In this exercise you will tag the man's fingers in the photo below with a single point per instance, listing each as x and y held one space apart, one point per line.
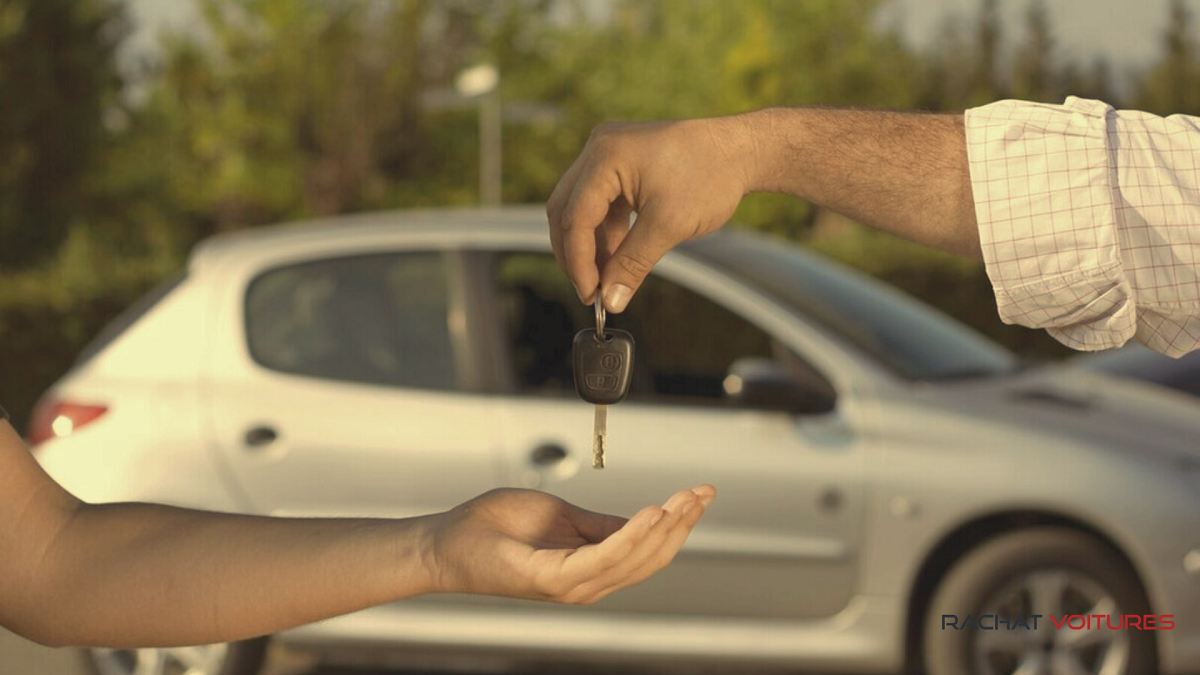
591 201
646 242
556 209
612 232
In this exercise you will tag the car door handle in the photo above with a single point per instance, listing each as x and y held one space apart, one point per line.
257 437
547 453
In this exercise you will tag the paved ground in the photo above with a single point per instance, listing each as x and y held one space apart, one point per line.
21 657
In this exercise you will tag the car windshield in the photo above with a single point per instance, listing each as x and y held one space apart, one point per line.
908 337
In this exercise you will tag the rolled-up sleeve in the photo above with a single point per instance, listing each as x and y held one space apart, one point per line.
1089 221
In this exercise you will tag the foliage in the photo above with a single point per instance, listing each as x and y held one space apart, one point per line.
280 109
1170 87
50 311
59 84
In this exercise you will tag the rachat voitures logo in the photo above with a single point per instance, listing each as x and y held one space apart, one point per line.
1061 622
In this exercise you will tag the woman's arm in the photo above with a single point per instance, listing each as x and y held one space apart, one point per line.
149 575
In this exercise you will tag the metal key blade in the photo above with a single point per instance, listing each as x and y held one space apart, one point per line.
600 439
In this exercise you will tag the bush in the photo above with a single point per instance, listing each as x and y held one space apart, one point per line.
48 314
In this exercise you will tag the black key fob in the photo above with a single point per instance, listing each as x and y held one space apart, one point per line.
603 367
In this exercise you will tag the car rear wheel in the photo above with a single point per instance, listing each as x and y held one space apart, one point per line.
982 618
236 658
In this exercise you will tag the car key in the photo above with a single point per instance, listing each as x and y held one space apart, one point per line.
602 361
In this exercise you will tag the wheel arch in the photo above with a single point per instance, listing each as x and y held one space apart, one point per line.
956 543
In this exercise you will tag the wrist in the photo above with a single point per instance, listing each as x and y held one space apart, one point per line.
737 141
767 149
417 561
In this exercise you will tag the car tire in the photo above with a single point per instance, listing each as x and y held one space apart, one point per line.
1048 570
234 658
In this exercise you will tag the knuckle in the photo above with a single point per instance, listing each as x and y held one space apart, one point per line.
619 552
551 589
634 264
607 140
580 596
602 131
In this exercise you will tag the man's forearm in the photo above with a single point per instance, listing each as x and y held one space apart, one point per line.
906 173
901 172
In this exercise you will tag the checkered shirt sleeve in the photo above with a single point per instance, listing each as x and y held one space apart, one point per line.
1089 220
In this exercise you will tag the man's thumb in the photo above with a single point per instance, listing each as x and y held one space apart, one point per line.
629 265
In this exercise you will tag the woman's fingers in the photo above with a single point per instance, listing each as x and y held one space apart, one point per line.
658 558
663 545
646 544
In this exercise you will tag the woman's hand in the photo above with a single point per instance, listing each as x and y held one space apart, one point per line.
532 545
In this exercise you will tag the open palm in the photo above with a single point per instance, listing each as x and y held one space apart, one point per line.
529 544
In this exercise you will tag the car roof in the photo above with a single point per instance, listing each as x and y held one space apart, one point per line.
445 224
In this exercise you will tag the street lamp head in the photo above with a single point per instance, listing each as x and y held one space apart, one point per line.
477 80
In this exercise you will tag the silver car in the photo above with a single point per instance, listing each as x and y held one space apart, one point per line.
896 493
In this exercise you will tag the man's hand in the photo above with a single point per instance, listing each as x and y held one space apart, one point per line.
683 180
528 544
905 173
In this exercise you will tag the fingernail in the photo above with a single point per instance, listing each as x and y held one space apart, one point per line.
617 298
585 298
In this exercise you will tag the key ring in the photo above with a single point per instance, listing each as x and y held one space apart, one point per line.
600 316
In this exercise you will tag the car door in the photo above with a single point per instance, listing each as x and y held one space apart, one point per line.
341 384
782 539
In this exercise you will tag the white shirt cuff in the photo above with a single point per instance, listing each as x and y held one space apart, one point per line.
1043 180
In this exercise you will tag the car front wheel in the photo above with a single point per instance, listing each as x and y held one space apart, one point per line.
1042 601
237 658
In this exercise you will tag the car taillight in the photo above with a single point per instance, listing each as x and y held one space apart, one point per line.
53 418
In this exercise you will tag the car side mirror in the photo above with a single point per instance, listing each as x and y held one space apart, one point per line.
762 384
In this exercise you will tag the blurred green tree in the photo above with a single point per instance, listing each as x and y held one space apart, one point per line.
1173 84
285 108
988 82
1036 76
680 58
965 66
60 85
272 110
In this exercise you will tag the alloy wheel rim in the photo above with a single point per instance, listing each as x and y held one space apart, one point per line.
197 660
1093 649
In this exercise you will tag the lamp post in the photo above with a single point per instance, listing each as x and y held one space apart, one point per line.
482 82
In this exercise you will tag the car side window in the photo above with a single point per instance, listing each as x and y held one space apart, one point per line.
685 342
376 319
